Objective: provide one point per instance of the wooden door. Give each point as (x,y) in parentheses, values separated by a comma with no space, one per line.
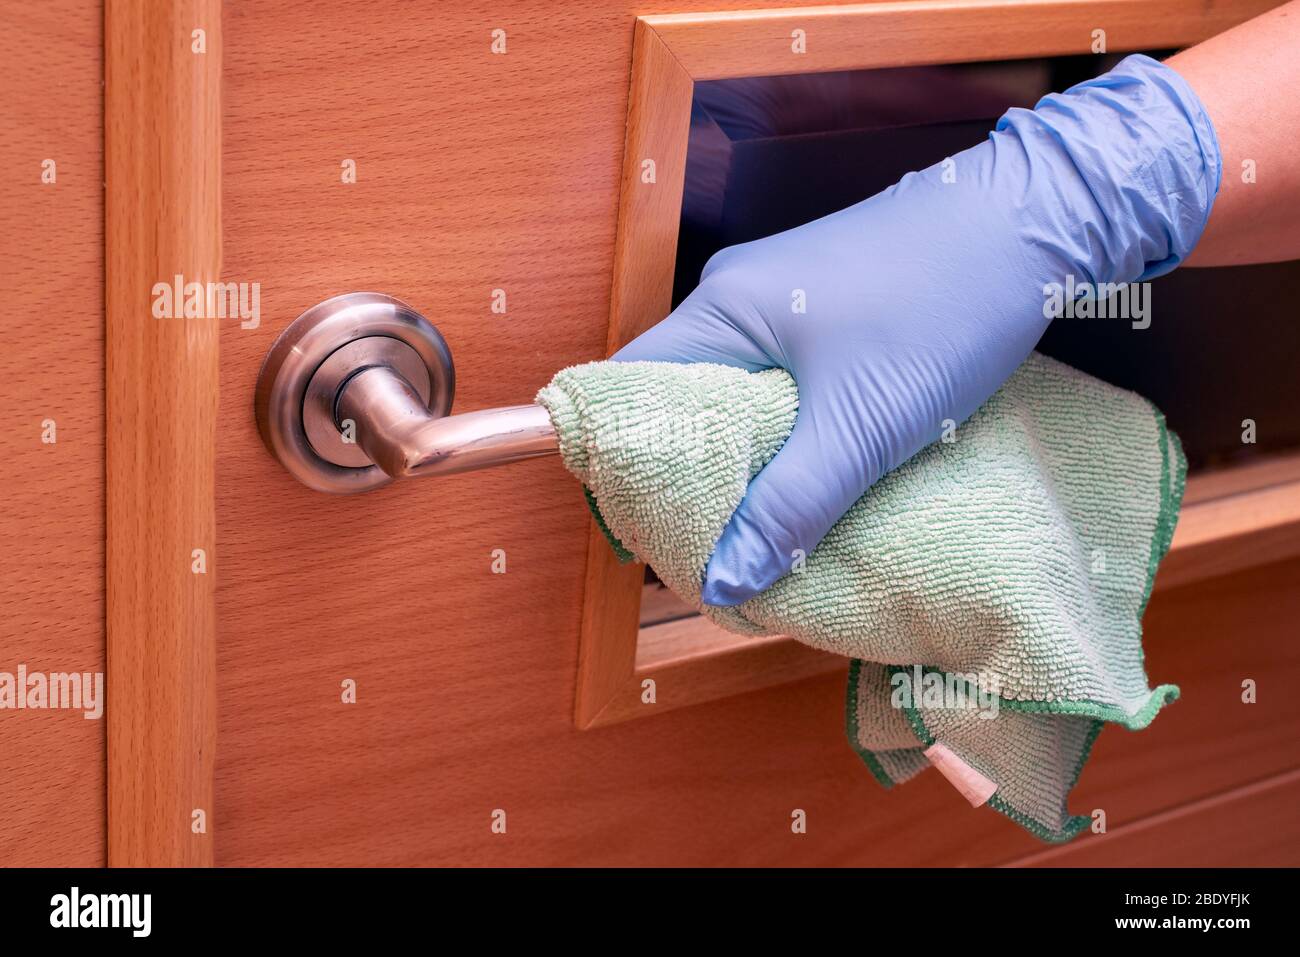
(52,774)
(391,678)
(479,171)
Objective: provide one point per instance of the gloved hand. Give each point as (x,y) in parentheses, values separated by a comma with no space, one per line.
(912,307)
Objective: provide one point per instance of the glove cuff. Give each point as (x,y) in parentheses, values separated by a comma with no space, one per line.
(1142,144)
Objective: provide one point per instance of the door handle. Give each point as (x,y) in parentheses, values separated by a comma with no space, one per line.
(357,391)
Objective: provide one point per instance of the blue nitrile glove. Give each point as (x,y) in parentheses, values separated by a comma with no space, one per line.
(921,300)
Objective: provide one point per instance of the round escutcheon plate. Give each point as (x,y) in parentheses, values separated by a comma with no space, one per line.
(311,361)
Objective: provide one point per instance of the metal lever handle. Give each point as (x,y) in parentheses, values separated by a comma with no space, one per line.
(356,392)
(399,434)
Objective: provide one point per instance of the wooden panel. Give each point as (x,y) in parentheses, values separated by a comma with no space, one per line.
(1265,472)
(474,172)
(1228,523)
(51,367)
(1256,825)
(650,198)
(478,172)
(162,219)
(869,35)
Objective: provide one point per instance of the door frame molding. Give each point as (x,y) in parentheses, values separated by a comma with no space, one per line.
(162,219)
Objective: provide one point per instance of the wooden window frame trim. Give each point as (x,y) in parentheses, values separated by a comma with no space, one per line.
(693,661)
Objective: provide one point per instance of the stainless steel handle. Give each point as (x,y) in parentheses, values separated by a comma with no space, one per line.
(356,392)
(398,432)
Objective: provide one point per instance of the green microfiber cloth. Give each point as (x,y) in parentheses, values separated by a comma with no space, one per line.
(1012,559)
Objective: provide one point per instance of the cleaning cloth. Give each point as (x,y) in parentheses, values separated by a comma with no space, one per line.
(989,591)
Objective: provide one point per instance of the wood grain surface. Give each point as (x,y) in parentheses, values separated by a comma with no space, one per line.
(1254,823)
(758,42)
(52,368)
(478,172)
(645,244)
(162,117)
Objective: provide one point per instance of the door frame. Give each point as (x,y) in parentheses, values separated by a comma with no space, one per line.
(162,219)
